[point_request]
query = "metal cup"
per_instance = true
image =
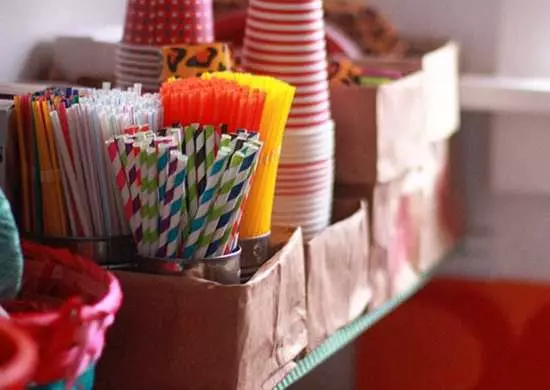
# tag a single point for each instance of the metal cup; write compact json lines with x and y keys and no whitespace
{"x":255,"y":254}
{"x":224,"y":269}
{"x":105,"y":251}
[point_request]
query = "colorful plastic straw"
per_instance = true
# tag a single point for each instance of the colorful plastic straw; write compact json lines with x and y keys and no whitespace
{"x":66,"y":186}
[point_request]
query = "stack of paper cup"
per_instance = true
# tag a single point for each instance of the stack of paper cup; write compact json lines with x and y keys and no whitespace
{"x":151,"y":24}
{"x":286,"y":39}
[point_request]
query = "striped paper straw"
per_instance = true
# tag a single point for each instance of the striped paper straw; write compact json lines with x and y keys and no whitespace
{"x":149,"y":208}
{"x":192,"y":196}
{"x":227,"y":183}
{"x":210,"y":145}
{"x":133,"y":178}
{"x":169,"y":227}
{"x":231,"y":242}
{"x":200,"y":162}
{"x":199,"y":221}
{"x":113,"y":149}
{"x":234,"y":201}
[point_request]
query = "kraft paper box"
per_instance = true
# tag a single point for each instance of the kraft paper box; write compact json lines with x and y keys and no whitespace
{"x":439,"y":59}
{"x":182,"y":333}
{"x":415,"y":220}
{"x":337,"y":274}
{"x":379,"y":130}
{"x":395,"y":225}
{"x":442,"y":204}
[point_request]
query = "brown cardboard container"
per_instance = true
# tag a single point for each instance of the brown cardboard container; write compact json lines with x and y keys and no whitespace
{"x":182,"y":333}
{"x":415,"y":220}
{"x":439,"y":60}
{"x":337,"y":276}
{"x":444,"y":213}
{"x":379,"y":130}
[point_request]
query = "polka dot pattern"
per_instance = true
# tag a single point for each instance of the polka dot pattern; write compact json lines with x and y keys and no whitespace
{"x":164,"y":22}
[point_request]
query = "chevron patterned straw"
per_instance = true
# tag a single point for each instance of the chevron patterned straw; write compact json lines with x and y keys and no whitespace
{"x":120,"y":175}
{"x":133,"y":175}
{"x":234,"y":201}
{"x":192,"y":196}
{"x":169,"y":227}
{"x":227,"y":183}
{"x":198,"y":222}
{"x":131,"y":207}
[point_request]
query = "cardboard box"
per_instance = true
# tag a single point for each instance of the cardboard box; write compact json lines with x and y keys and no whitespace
{"x":439,"y":60}
{"x":182,"y":333}
{"x":379,"y":130}
{"x":415,"y":220}
{"x":337,"y":276}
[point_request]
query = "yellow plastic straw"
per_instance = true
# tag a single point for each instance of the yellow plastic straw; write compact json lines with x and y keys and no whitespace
{"x":256,"y":219}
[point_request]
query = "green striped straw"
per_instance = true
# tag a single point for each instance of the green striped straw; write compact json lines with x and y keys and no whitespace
{"x":149,"y":184}
{"x":198,"y":222}
{"x":227,"y":182}
{"x":209,"y":145}
{"x":236,"y":197}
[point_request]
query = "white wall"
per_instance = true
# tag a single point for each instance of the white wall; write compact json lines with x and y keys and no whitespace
{"x":508,"y":37}
{"x":25,"y":23}
{"x":519,"y":158}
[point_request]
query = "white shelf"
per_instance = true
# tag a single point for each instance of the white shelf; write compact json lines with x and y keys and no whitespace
{"x":504,"y":94}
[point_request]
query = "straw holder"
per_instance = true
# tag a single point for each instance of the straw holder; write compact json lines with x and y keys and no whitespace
{"x":105,"y":251}
{"x":222,"y":269}
{"x":255,"y":252}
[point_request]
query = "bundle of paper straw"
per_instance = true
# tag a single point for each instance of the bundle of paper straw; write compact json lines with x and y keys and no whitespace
{"x":182,"y":191}
{"x":239,"y":100}
{"x":65,"y":181}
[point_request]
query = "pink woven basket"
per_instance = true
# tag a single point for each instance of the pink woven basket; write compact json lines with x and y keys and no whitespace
{"x":66,"y":304}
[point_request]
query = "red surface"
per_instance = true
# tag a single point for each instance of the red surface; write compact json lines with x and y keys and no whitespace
{"x":459,"y":334}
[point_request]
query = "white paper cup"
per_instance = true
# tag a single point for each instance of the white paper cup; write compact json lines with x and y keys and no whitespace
{"x":311,"y":77}
{"x":309,"y":99}
{"x":135,"y":70}
{"x":281,"y":38}
{"x":303,"y":202}
{"x":313,"y":119}
{"x":140,"y":48}
{"x":303,"y":180}
{"x":311,"y":88}
{"x":314,"y":108}
{"x":299,"y":47}
{"x":309,"y":121}
{"x":318,"y":66}
{"x":141,"y":78}
{"x":305,"y":205}
{"x":278,"y":6}
{"x":307,"y":217}
{"x":294,"y":175}
{"x":280,"y":29}
{"x":138,"y":61}
{"x":296,"y":147}
{"x":324,"y":128}
{"x":321,"y":151}
{"x":272,"y":57}
{"x":273,"y":15}
{"x":131,"y":63}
